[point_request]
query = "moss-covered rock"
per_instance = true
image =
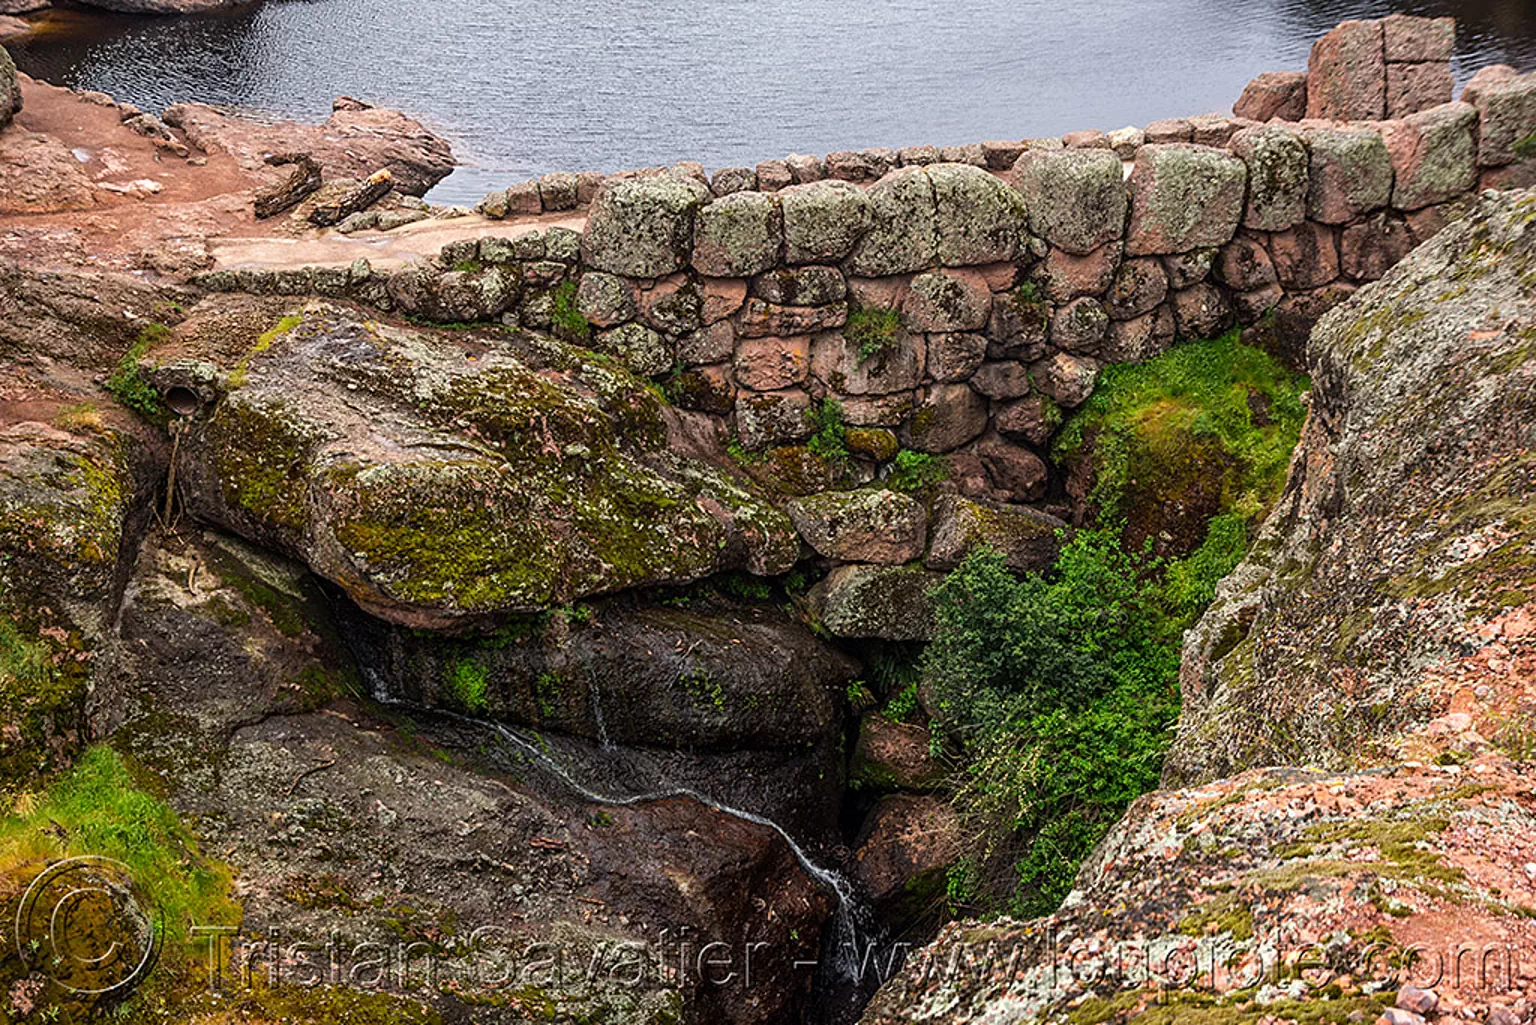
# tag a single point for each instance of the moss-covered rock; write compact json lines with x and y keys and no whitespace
{"x":885,"y":602}
{"x":439,"y":477}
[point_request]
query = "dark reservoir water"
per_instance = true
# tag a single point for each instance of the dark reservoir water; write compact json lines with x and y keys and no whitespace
{"x":524,"y":87}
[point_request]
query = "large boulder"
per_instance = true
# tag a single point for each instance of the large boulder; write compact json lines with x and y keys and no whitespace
{"x":437,"y":483}
{"x":1184,"y":197}
{"x":1075,"y":197}
{"x":233,"y":695}
{"x":1399,"y":534}
{"x":1026,"y":538}
{"x":981,"y":219}
{"x":823,"y":220}
{"x":1434,"y":155}
{"x":643,"y":227}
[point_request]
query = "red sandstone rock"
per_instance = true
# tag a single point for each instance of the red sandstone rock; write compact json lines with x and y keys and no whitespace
{"x":1305,"y":257}
{"x":1369,"y":249}
{"x":1200,"y":311}
{"x":1506,"y":105}
{"x":1002,"y":380}
{"x":759,"y":319}
{"x":767,"y":364}
{"x":955,"y":356}
{"x":1141,"y":338}
{"x":1184,"y":197}
{"x":1434,"y":155}
{"x":1066,"y":378}
{"x":1067,"y":276}
{"x":1244,"y":264}
{"x":1347,"y":74}
{"x":1169,"y":130}
{"x":710,"y":344}
{"x":1274,"y":94}
{"x":1139,"y":285}
{"x":1350,"y":173}
{"x":1088,"y":138}
{"x":947,"y":416}
{"x":1406,"y":38}
{"x":1029,"y":419}
{"x":722,"y":297}
{"x":1252,"y":306}
{"x":1415,"y":87}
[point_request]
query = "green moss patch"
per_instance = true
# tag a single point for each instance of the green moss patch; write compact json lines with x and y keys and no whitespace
{"x":1203,"y":430}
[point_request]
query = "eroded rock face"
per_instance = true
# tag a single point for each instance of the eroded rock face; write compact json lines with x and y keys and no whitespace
{"x":437,"y":482}
{"x":1404,"y":519}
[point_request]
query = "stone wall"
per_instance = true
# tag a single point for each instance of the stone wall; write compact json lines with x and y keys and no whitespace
{"x":961,"y":301}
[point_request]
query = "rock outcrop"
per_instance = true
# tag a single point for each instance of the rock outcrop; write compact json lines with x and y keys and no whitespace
{"x":10,"y":89}
{"x":1382,"y":628}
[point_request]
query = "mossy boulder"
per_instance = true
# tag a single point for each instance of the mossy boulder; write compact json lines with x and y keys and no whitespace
{"x":72,"y":495}
{"x":738,"y":235}
{"x":1026,"y":538}
{"x":868,"y":525}
{"x":1184,"y":197}
{"x":439,"y":478}
{"x":1076,"y":198}
{"x":886,"y":602}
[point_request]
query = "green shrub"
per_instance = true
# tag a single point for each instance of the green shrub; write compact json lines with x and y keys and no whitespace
{"x":468,"y":681}
{"x":830,"y":442}
{"x":127,"y":382}
{"x":565,"y":315}
{"x":914,"y":471}
{"x":1063,"y":689}
{"x":871,"y":331}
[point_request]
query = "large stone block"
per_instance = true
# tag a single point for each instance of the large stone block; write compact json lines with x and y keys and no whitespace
{"x":1066,"y":378}
{"x":801,"y":286}
{"x":606,"y":300}
{"x":1305,"y":257}
{"x":1347,"y":74}
{"x":768,"y":364}
{"x":1350,"y":173}
{"x":1067,"y":276}
{"x":1200,"y":311}
{"x":897,"y":367}
{"x":903,"y":234}
{"x":948,"y":300}
{"x":823,"y":221}
{"x":642,"y":227}
{"x":1277,"y":176}
{"x":1406,"y":38}
{"x":1076,"y":199}
{"x":1415,"y":87}
{"x":1079,"y":326}
{"x":1244,"y":264}
{"x":1274,"y":94}
{"x":1031,"y":419}
{"x":981,"y":219}
{"x":1138,"y":287}
{"x":1434,"y":155}
{"x":738,"y":235}
{"x":1184,"y":197}
{"x":870,"y":525}
{"x":1025,"y":537}
{"x":764,"y":419}
{"x":955,"y":356}
{"x":1369,"y":249}
{"x":1506,"y":107}
{"x":947,"y":416}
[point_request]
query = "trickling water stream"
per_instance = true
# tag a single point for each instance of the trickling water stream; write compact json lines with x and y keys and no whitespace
{"x":853,"y":925}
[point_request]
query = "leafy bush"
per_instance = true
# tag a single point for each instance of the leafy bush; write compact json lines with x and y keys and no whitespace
{"x":914,"y":471}
{"x":127,"y":382}
{"x":468,"y":681}
{"x":872,"y":331}
{"x":830,"y":441}
{"x":1062,"y":688}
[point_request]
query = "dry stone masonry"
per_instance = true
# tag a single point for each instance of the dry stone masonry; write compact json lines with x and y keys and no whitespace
{"x":959,"y":301}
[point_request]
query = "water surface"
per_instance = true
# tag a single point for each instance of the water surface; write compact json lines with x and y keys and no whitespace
{"x":525,"y":87}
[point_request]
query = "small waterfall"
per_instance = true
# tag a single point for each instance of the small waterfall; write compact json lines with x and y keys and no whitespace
{"x":851,"y":920}
{"x":596,"y":696}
